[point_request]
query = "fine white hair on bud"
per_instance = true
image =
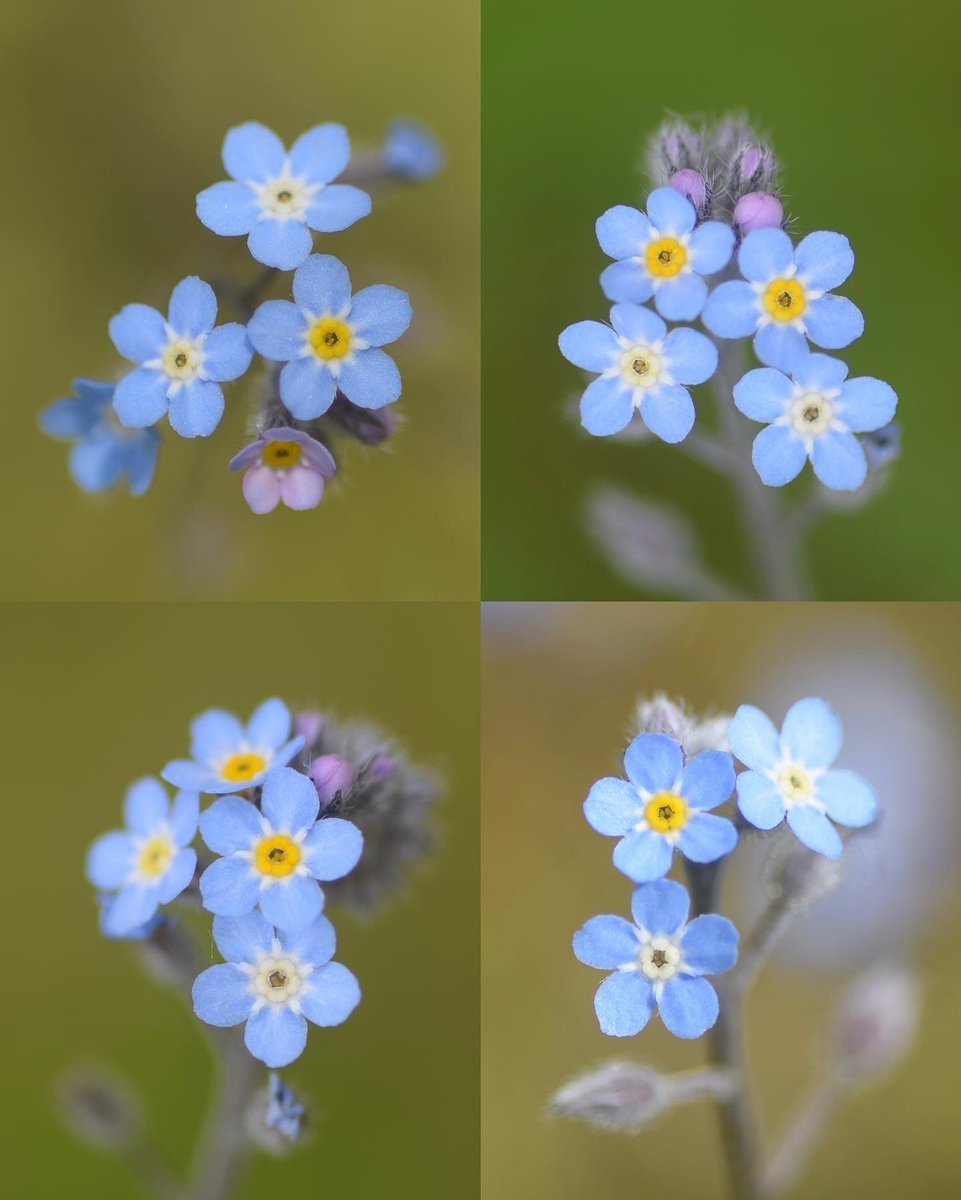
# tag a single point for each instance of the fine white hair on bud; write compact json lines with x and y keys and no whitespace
{"x":662,"y":714}
{"x":619,"y":1096}
{"x":876,"y":1022}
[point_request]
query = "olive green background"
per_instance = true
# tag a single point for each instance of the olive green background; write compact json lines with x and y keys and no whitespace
{"x":95,"y":696}
{"x":112,"y":116}
{"x":861,"y":103}
{"x":558,"y":695}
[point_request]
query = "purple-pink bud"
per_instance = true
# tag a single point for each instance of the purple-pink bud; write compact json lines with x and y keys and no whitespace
{"x":308,"y":725}
{"x":751,"y":159}
{"x":330,"y":774}
{"x":758,"y":210}
{"x":692,"y":184}
{"x":381,"y":767}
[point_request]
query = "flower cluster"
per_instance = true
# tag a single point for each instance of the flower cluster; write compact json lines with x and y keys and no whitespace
{"x":711,"y":246}
{"x":328,"y":339}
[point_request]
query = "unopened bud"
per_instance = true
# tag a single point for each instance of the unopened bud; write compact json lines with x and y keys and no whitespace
{"x":619,"y":1096}
{"x":876,"y":1023}
{"x":99,"y":1109}
{"x":309,"y":725}
{"x":883,"y":445}
{"x":380,"y":768}
{"x":332,"y":776}
{"x":692,"y":184}
{"x":275,"y":1117}
{"x":758,"y":210}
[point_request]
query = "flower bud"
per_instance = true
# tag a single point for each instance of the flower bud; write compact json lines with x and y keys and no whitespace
{"x":309,"y":725}
{"x":876,"y":1022}
{"x":693,"y":185}
{"x":883,"y":445}
{"x":99,"y":1109}
{"x":332,"y":776}
{"x":380,"y":768}
{"x":758,"y":210}
{"x":618,"y":1096}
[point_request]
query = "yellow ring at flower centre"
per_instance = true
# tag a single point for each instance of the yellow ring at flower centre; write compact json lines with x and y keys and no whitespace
{"x":241,"y":768}
{"x":666,"y":257}
{"x":155,"y":857}
{"x":277,"y":855}
{"x":665,"y":812}
{"x":784,"y":299}
{"x":329,"y":338}
{"x":280,"y":455}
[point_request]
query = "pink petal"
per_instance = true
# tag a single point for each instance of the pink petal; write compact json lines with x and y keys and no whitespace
{"x":301,"y":488}
{"x":261,"y":489}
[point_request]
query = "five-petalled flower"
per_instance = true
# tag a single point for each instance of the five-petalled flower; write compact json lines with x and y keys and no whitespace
{"x":664,"y":804}
{"x":284,"y":464}
{"x":790,"y":774}
{"x":658,"y":962}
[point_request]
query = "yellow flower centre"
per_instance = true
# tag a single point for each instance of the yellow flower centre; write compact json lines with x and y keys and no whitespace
{"x":666,"y":812}
{"x":329,"y":338}
{"x":666,"y":258}
{"x":156,"y":856}
{"x":277,"y":855}
{"x":181,"y":359}
{"x":281,"y":454}
{"x":784,"y":299}
{"x":794,"y":783}
{"x":241,"y":768}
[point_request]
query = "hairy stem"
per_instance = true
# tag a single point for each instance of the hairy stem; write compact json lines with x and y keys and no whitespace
{"x":225,"y":1145}
{"x":803,"y":1134}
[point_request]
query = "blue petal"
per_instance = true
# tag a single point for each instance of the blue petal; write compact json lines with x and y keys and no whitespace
{"x":307,"y":388}
{"x":110,"y":859}
{"x":815,"y":830}
{"x":229,"y":887}
{"x":252,"y":151}
{"x":732,"y":310}
{"x":624,"y":1003}
{"x":230,"y":824}
{"x":778,"y":455}
{"x":637,"y":324}
{"x":753,"y":738}
{"x":227,"y":353}
{"x":668,"y":412}
{"x":322,"y":285}
{"x":70,"y":418}
{"x":763,"y":394}
{"x":332,"y":848}
{"x":848,"y":798}
{"x":281,"y":244}
{"x":183,"y":773}
{"x":654,"y":762}
{"x":765,"y":254}
{"x":380,"y":314}
{"x":681,"y":298}
{"x":215,"y":734}
{"x":93,"y":392}
{"x":688,"y":1004}
{"x":691,"y":357}
{"x":709,"y":945}
{"x":590,"y":345}
{"x":292,"y":903}
{"x":141,"y":398}
{"x":276,"y":330}
{"x":661,"y":907}
{"x":607,"y":942}
{"x":781,"y":346}
{"x":321,"y":154}
{"x":670,"y":212}
{"x":606,"y":406}
{"x":138,"y":332}
{"x":193,"y":307}
{"x":229,"y":209}
{"x":338,"y":207}
{"x":839,"y":461}
{"x":643,"y":856}
{"x":811,"y":733}
{"x":222,"y":996}
{"x":145,"y":806}
{"x":269,"y":725}
{"x":759,"y":800}
{"x":315,"y":943}
{"x":866,"y":404}
{"x":708,"y":779}
{"x":820,"y":373}
{"x":833,"y":322}
{"x":178,"y":875}
{"x":627,"y":282}
{"x":196,"y":409}
{"x":412,"y":151}
{"x":706,"y":838}
{"x":130,"y":908}
{"x":184,"y":816}
{"x":243,"y":939}
{"x":711,"y":247}
{"x":613,"y":807}
{"x":97,"y":462}
{"x":276,"y":1035}
{"x":289,"y":800}
{"x":141,"y":461}
{"x":331,"y":995}
{"x":370,"y":379}
{"x":824,"y":260}
{"x":623,"y":232}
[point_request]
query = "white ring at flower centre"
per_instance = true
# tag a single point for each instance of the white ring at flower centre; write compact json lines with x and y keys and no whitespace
{"x":285,"y":197}
{"x":659,"y":958}
{"x":643,"y":366}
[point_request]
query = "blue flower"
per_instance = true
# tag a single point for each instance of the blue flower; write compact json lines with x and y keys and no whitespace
{"x":411,"y":151}
{"x":787,"y":296}
{"x":640,"y":366}
{"x":662,"y":254}
{"x":329,"y":339}
{"x":790,"y":774}
{"x":813,"y":415}
{"x":276,"y":197}
{"x":664,"y":805}
{"x":273,"y":981}
{"x":181,"y":361}
{"x":284,"y":1111}
{"x":659,"y":962}
{"x":103,"y":451}
{"x":148,"y":863}
{"x":274,"y":855}
{"x":227,"y":756}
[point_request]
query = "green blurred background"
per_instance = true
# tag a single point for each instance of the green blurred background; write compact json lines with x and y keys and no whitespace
{"x":861,"y":103}
{"x":103,"y":695}
{"x":112,"y":116}
{"x":559,"y":686}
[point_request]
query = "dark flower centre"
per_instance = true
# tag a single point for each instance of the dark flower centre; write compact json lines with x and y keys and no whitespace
{"x":277,"y":979}
{"x":785,"y":299}
{"x":639,"y":366}
{"x":659,"y":958}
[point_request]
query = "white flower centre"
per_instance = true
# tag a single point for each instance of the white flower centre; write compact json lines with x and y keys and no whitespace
{"x":279,"y":979}
{"x":183,"y":358}
{"x":643,"y":366}
{"x":659,"y":958}
{"x":795,"y":783}
{"x":812,"y":413}
{"x":285,"y":197}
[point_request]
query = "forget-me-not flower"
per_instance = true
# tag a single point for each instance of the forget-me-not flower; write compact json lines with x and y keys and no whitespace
{"x":813,"y":415}
{"x":658,"y":962}
{"x":275,"y":982}
{"x":104,"y":451}
{"x":329,"y":339}
{"x":181,"y":361}
{"x":284,"y":465}
{"x":148,"y":863}
{"x":277,"y":198}
{"x":284,"y":1111}
{"x":640,"y":366}
{"x":273,"y":856}
{"x":411,"y":151}
{"x":664,"y":803}
{"x":662,"y":254}
{"x":790,"y":774}
{"x":787,"y":296}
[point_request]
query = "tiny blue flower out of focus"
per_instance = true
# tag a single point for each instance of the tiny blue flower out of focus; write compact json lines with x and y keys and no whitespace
{"x":284,"y":1111}
{"x":147,"y":864}
{"x":658,"y":962}
{"x":664,"y":804}
{"x":104,"y":452}
{"x":791,"y":774}
{"x":411,"y":151}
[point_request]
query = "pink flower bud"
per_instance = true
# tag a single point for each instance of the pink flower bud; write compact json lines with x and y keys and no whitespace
{"x":308,"y":725}
{"x":692,"y":184}
{"x":381,"y":767}
{"x":758,"y":210}
{"x":331,"y":775}
{"x":751,"y":159}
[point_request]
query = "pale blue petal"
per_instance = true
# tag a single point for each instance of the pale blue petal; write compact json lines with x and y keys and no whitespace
{"x":222,"y":996}
{"x":243,"y":939}
{"x":370,"y":379}
{"x":183,"y":773}
{"x":811,"y":733}
{"x":643,"y":856}
{"x":289,"y":800}
{"x":269,"y":726}
{"x":661,"y":907}
{"x":866,"y":404}
{"x":688,"y":1005}
{"x":110,"y":859}
{"x":708,"y":779}
{"x":637,"y":324}
{"x":833,"y":322}
{"x":70,"y":417}
{"x":281,"y":244}
{"x":732,"y":310}
{"x":145,"y":806}
{"x":315,"y":943}
{"x":607,"y":942}
{"x":763,"y":394}
{"x":754,"y":738}
{"x":141,"y":462}
{"x":321,"y":154}
{"x":331,"y":995}
{"x":590,"y":345}
{"x":824,"y":260}
{"x":184,"y":816}
{"x":624,"y":1003}
{"x":227,"y":353}
{"x":338,"y":207}
{"x":230,"y":887}
{"x":130,"y":908}
{"x":277,"y":329}
{"x":196,"y":409}
{"x":332,"y":848}
{"x":709,"y":945}
{"x":230,"y":824}
{"x":193,"y":307}
{"x":215,"y":734}
{"x":670,"y":212}
{"x":380,"y":314}
{"x":288,"y":750}
{"x":229,"y":209}
{"x":276,"y":1035}
{"x":820,"y":373}
{"x":759,"y":800}
{"x":623,"y":232}
{"x":627,"y":282}
{"x":711,"y":247}
{"x":839,"y":461}
{"x":252,"y":151}
{"x":668,"y":412}
{"x":848,"y":798}
{"x":141,"y":398}
{"x":778,"y":455}
{"x":307,"y":388}
{"x":606,"y":406}
{"x":292,"y":902}
{"x":706,"y":838}
{"x":691,"y":357}
{"x":765,"y":254}
{"x":681,"y":298}
{"x":178,"y":875}
{"x":322,"y":285}
{"x":138,"y":332}
{"x":654,"y":762}
{"x":781,"y":346}
{"x":613,"y":807}
{"x":97,"y":462}
{"x":815,"y":830}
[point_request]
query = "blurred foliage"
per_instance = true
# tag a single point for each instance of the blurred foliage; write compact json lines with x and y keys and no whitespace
{"x":98,"y":695}
{"x":860,"y":104}
{"x":112,"y":120}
